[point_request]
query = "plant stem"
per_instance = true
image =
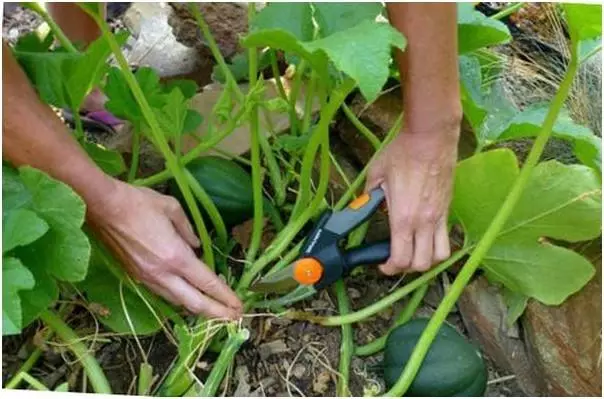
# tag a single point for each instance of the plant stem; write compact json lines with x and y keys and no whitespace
{"x":277,"y":75}
{"x":372,"y":138}
{"x":225,"y":358}
{"x":290,"y":231}
{"x":136,"y":144}
{"x":489,"y":237}
{"x":210,"y":208}
{"x":91,"y":366}
{"x":293,"y":99}
{"x":195,"y":152}
{"x":145,"y":379}
{"x":508,"y":10}
{"x":405,"y":315}
{"x":79,"y":128}
{"x":205,"y":30}
{"x":308,"y":101}
{"x":347,"y":341}
{"x":29,"y":363}
{"x":56,"y":30}
{"x":156,"y":132}
{"x":258,"y":221}
{"x":388,"y":300}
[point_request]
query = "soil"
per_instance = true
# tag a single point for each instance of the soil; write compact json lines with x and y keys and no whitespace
{"x":282,"y":357}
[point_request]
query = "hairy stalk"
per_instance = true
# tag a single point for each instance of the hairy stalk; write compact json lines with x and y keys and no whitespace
{"x":385,"y":302}
{"x":156,"y":133}
{"x":210,"y":208}
{"x":405,"y":315}
{"x":225,"y":358}
{"x":308,"y":100}
{"x":293,"y":99}
{"x":258,"y":221}
{"x":91,"y":366}
{"x":136,"y":149}
{"x":56,"y":30}
{"x":205,"y":30}
{"x":508,"y":10}
{"x":289,"y":232}
{"x":489,"y":237}
{"x":196,"y":151}
{"x":273,"y":170}
{"x":372,"y":138}
{"x":346,"y":343}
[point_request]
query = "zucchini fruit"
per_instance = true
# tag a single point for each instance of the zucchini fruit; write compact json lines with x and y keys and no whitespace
{"x":452,"y":367}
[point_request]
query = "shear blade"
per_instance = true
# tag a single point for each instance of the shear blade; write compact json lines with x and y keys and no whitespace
{"x":278,"y":282}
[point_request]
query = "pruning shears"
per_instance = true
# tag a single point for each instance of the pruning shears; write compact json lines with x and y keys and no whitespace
{"x":321,"y":261}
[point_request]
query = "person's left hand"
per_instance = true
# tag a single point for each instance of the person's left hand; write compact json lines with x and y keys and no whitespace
{"x":416,"y":173}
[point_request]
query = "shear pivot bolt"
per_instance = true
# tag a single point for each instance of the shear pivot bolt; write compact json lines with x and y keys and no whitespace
{"x":308,"y":271}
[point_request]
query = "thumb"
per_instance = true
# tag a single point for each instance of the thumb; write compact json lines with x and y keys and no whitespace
{"x":375,"y":175}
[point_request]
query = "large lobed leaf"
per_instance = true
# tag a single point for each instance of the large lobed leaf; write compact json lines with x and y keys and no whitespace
{"x":560,"y":202}
{"x":336,"y":17}
{"x":15,"y":278}
{"x":42,"y":220}
{"x":475,"y":30}
{"x":362,"y":52}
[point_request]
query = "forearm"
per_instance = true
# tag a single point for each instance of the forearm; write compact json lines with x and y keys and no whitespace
{"x":428,"y":67}
{"x":34,"y":136}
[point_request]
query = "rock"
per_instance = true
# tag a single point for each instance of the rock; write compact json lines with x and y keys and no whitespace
{"x":483,"y":312}
{"x":565,"y":342}
{"x":272,"y":348}
{"x":227,"y":23}
{"x":156,"y":46}
{"x":242,"y":375}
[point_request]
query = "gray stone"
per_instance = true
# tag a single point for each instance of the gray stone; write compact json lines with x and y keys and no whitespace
{"x":272,"y":348}
{"x":154,"y":44}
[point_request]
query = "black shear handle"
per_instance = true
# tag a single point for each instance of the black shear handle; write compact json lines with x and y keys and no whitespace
{"x":371,"y":254}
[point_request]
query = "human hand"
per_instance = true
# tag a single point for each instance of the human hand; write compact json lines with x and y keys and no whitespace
{"x":416,"y":174}
{"x":152,"y":236}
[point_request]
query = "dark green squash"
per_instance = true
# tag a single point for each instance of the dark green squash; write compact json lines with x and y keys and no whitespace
{"x":452,"y":367}
{"x":228,"y":185}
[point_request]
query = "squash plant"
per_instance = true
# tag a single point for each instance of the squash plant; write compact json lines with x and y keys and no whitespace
{"x":509,"y":214}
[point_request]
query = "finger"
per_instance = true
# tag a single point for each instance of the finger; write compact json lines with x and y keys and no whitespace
{"x":201,"y":277}
{"x":194,"y":301}
{"x":442,"y":247}
{"x":401,"y":238}
{"x":423,"y":248}
{"x":181,"y":222}
{"x":161,"y":291}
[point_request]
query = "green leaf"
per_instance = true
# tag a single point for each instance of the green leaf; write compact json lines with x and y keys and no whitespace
{"x":335,"y":17}
{"x":192,"y":121}
{"x":33,"y":42}
{"x":187,"y":87}
{"x":589,"y":47}
{"x":14,"y":193}
{"x":584,"y":21}
{"x":561,"y":202}
{"x":516,"y":304}
{"x":110,"y":161}
{"x":172,"y":115}
{"x":277,"y":104}
{"x":240,"y":67}
{"x":363,"y":53}
{"x":103,"y":289}
{"x":20,"y":228}
{"x":475,"y":30}
{"x":45,"y":72}
{"x":292,"y":144}
{"x":15,"y":278}
{"x":471,"y":91}
{"x":65,"y":248}
{"x":295,"y":18}
{"x":589,"y":152}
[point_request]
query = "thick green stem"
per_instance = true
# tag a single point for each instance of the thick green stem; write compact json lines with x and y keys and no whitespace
{"x":372,"y":138}
{"x":388,"y":300}
{"x":79,"y":128}
{"x":224,"y":360}
{"x":196,"y":151}
{"x":258,"y":221}
{"x":293,"y":99}
{"x":405,"y":315}
{"x":205,"y":30}
{"x":489,"y":237}
{"x":273,"y":170}
{"x":289,"y":232}
{"x":136,"y":149}
{"x":156,"y":132}
{"x":508,"y":10}
{"x":91,"y":366}
{"x":145,"y":379}
{"x":346,"y":343}
{"x":56,"y":30}
{"x":212,"y":211}
{"x":308,"y":101}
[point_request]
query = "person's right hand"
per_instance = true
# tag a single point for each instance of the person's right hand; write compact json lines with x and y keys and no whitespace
{"x":151,"y":235}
